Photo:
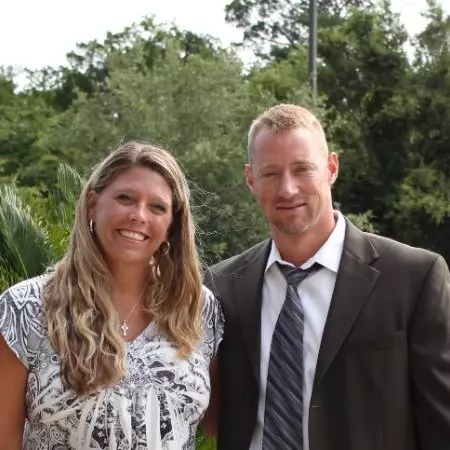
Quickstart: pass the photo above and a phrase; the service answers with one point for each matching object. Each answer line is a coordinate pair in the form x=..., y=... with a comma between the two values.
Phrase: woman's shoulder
x=21, y=317
x=25, y=292
x=213, y=321
x=211, y=306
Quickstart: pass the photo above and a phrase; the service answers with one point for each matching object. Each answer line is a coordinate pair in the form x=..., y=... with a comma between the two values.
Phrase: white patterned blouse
x=157, y=406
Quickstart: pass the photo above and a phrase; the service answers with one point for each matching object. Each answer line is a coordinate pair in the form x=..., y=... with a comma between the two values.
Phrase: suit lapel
x=249, y=281
x=354, y=283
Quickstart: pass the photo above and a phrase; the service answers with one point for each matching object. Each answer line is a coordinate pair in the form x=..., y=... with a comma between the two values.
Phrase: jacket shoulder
x=400, y=252
x=231, y=265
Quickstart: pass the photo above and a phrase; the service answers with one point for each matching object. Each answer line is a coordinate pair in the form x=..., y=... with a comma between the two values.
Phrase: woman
x=112, y=348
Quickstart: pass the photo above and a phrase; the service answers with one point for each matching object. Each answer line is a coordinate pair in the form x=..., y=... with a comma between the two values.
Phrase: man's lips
x=289, y=207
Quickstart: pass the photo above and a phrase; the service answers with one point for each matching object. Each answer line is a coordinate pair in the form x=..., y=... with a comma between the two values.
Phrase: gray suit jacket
x=383, y=372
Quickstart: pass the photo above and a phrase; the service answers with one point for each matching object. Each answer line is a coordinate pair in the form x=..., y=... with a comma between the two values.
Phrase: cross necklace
x=124, y=327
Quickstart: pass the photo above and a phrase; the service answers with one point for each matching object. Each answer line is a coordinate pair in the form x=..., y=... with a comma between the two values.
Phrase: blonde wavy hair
x=83, y=325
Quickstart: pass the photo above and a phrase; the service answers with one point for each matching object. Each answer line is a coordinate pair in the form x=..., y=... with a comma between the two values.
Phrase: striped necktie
x=283, y=427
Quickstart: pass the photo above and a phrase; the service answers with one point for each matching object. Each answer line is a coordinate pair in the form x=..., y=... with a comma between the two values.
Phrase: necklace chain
x=124, y=327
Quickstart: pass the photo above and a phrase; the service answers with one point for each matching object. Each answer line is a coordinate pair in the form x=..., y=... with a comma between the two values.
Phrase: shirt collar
x=329, y=255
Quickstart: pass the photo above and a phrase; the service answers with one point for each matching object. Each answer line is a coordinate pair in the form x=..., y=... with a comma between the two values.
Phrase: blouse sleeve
x=213, y=323
x=21, y=324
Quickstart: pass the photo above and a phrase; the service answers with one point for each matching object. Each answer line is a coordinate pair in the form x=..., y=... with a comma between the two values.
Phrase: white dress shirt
x=315, y=292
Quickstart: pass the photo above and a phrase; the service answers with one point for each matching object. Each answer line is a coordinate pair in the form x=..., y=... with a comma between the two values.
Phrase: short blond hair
x=285, y=117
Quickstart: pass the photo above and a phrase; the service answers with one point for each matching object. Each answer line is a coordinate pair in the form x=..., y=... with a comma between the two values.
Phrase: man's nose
x=288, y=186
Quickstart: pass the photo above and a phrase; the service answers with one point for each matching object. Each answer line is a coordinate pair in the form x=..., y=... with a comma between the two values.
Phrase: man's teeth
x=132, y=235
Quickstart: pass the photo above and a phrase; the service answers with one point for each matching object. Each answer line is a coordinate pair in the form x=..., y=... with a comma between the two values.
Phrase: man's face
x=291, y=177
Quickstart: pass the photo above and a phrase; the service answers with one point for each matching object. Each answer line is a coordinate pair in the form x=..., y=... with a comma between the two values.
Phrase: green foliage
x=34, y=229
x=23, y=118
x=205, y=442
x=385, y=113
x=363, y=221
x=25, y=249
x=274, y=26
x=60, y=206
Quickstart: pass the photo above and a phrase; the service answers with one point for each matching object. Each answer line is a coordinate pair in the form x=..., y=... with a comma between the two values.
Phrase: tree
x=421, y=213
x=88, y=70
x=279, y=25
x=22, y=118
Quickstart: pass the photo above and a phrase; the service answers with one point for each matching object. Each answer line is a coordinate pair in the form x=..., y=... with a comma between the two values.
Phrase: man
x=356, y=355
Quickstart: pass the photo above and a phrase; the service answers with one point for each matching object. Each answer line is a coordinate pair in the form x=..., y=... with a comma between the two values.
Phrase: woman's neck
x=128, y=283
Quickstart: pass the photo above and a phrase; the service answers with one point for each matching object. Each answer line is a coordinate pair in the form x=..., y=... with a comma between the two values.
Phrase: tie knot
x=294, y=275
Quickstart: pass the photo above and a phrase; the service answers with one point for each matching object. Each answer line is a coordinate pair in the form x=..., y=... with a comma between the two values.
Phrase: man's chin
x=292, y=229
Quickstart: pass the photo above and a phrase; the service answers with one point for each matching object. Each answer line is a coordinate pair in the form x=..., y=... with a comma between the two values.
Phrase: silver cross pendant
x=124, y=328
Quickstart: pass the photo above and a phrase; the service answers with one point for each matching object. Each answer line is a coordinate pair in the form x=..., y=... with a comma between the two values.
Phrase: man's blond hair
x=285, y=117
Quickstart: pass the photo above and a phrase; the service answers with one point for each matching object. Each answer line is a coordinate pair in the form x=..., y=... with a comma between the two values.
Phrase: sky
x=34, y=34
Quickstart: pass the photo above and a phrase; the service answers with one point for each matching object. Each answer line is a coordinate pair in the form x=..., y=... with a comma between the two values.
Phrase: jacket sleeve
x=429, y=352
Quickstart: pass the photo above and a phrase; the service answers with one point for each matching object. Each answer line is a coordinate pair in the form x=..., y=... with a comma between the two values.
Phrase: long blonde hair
x=83, y=325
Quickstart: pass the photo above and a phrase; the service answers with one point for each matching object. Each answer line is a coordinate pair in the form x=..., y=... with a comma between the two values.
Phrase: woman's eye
x=123, y=198
x=158, y=208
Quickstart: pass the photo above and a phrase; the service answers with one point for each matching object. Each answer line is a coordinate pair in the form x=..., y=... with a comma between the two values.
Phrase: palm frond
x=25, y=250
x=62, y=202
x=7, y=278
x=70, y=182
x=60, y=207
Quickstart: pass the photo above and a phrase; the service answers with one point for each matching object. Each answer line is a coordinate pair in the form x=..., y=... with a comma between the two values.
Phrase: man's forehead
x=269, y=141
x=268, y=135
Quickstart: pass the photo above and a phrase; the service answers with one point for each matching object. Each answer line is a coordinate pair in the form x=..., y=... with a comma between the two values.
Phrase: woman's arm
x=13, y=385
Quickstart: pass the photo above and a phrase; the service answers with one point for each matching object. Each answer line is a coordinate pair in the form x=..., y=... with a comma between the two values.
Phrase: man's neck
x=299, y=248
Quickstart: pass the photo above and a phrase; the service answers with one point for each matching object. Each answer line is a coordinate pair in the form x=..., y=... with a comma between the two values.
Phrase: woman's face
x=132, y=216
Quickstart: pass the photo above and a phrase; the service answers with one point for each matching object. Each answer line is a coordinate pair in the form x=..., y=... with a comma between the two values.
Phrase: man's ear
x=91, y=200
x=249, y=177
x=333, y=167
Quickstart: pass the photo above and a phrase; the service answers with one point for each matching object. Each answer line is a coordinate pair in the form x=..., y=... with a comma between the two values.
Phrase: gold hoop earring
x=164, y=251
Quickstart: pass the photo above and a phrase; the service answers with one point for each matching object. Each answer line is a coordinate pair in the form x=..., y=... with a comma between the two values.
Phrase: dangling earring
x=164, y=248
x=154, y=267
x=91, y=226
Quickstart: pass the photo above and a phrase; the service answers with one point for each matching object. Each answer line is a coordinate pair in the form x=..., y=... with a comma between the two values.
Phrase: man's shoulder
x=401, y=252
x=234, y=263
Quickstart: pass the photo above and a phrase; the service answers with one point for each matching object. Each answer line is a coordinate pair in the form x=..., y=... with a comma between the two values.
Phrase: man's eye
x=123, y=198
